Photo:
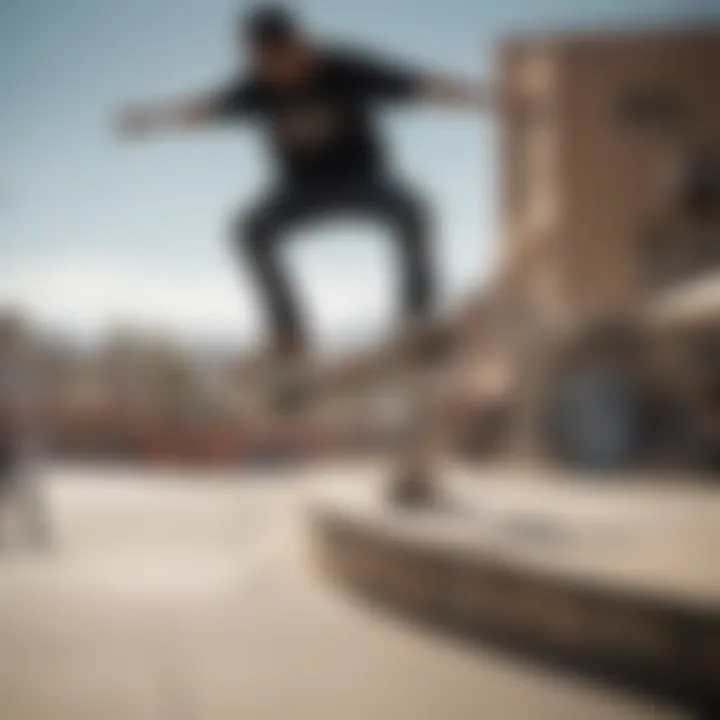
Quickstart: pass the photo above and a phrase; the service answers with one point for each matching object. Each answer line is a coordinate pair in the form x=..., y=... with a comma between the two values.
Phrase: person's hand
x=135, y=122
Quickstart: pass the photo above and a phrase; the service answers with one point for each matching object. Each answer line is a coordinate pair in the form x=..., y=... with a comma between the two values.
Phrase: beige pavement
x=187, y=596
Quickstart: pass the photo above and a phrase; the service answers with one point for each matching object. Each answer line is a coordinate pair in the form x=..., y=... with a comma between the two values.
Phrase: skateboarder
x=317, y=102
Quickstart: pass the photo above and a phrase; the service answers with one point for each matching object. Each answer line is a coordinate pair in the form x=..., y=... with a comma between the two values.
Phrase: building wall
x=585, y=177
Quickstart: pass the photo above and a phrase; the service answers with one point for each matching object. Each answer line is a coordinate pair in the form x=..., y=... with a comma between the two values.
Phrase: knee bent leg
x=249, y=233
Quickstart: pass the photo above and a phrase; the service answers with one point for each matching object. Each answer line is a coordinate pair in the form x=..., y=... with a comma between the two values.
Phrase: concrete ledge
x=443, y=570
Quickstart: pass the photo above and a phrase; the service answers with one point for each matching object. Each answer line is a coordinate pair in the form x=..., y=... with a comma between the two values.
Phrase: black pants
x=261, y=231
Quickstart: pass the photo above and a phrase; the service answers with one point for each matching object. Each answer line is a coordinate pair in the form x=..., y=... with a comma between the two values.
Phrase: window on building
x=649, y=107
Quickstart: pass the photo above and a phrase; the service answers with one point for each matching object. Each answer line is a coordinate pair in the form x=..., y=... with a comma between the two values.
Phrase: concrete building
x=586, y=176
x=610, y=185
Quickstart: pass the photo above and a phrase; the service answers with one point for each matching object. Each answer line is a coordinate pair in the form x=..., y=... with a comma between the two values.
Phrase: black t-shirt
x=322, y=129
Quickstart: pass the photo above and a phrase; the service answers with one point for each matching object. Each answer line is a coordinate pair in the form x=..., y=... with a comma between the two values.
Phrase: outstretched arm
x=444, y=90
x=140, y=120
x=235, y=100
x=451, y=92
x=393, y=81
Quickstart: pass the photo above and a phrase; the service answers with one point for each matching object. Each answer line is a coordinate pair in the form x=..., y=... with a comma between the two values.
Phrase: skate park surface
x=193, y=594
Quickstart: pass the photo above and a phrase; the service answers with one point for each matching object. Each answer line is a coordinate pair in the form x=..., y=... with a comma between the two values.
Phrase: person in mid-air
x=317, y=104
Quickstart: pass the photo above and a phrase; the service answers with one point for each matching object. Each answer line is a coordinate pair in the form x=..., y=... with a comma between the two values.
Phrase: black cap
x=269, y=25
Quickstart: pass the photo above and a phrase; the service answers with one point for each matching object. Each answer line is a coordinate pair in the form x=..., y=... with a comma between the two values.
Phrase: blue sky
x=92, y=230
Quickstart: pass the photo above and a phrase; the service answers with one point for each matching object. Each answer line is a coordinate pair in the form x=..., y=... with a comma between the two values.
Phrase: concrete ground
x=188, y=596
